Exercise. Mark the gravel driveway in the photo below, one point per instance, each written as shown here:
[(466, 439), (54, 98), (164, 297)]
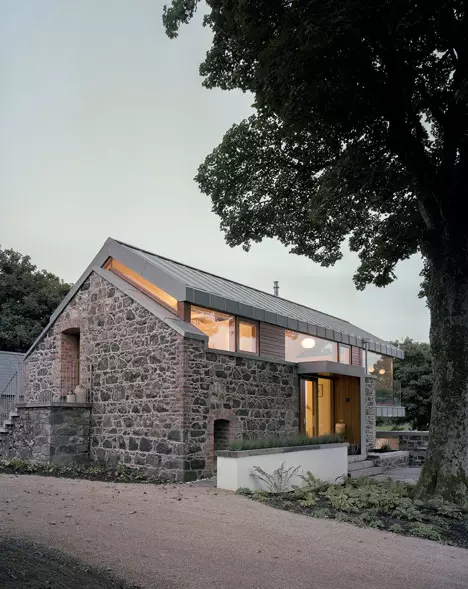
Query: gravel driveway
[(196, 537)]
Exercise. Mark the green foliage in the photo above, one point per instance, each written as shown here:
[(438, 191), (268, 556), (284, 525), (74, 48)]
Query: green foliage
[(359, 136), (323, 513), (281, 442), (449, 510), (407, 510), (244, 491), (382, 505), (312, 483), (309, 500), (279, 480), (98, 472), (337, 147), (415, 376), (371, 520), (27, 299), (260, 495), (396, 529), (428, 531)]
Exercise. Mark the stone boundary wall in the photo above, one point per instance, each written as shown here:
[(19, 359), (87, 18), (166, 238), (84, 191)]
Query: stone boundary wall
[(390, 460), (414, 442), (56, 433)]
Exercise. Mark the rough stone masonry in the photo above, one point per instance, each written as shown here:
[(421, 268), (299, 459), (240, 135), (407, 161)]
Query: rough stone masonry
[(155, 394)]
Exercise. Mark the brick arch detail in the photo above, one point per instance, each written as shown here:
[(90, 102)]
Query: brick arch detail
[(68, 354), (235, 429)]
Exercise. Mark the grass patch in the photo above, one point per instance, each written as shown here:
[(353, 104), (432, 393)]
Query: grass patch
[(91, 472), (282, 442), (386, 505)]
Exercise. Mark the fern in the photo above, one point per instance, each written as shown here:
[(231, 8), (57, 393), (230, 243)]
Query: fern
[(279, 480)]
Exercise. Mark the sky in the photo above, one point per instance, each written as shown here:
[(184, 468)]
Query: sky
[(103, 124)]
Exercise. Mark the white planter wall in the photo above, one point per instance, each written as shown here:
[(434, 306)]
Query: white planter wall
[(326, 462)]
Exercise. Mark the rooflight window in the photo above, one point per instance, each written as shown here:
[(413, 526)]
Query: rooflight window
[(307, 348), (219, 327), (141, 283)]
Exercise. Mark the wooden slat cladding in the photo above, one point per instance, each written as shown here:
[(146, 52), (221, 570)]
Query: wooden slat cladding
[(272, 341), (348, 406)]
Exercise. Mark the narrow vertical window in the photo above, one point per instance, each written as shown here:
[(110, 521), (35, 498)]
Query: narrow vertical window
[(248, 337)]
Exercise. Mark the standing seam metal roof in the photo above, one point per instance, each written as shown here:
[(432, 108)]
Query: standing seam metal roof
[(223, 287)]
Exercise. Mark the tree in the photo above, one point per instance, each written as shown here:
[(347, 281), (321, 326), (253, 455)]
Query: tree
[(27, 299), (415, 376), (360, 134)]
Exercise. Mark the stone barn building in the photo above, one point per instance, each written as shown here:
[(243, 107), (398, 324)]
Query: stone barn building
[(155, 364)]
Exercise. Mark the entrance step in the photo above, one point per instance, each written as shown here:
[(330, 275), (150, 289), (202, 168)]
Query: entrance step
[(352, 466), (365, 472), (355, 458)]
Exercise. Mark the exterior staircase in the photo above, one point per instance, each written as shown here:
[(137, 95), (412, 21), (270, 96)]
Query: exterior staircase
[(362, 467), (9, 398)]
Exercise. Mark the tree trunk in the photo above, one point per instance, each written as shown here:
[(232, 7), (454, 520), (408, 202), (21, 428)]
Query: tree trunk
[(445, 471)]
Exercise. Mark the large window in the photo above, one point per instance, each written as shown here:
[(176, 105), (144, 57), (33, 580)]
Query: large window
[(382, 368), (306, 348), (219, 327), (141, 283)]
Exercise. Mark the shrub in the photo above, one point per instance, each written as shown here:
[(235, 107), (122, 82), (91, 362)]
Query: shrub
[(244, 491), (278, 480), (97, 472), (281, 442), (427, 531)]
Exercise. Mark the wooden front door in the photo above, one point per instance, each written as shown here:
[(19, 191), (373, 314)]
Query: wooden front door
[(348, 406)]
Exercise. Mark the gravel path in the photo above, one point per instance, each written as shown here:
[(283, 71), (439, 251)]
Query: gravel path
[(196, 537)]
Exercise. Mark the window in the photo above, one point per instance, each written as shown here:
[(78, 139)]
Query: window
[(345, 354), (248, 338), (382, 368), (141, 283), (306, 348), (219, 327), (69, 360)]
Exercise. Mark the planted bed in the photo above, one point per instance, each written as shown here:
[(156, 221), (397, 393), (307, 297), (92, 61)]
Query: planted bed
[(326, 458)]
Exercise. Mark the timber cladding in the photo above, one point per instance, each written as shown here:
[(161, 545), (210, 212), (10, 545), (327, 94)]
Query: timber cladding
[(348, 406), (272, 341)]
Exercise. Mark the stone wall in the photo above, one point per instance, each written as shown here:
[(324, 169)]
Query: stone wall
[(414, 442), (57, 434), (131, 362), (155, 394), (137, 389), (370, 412), (258, 397), (389, 460)]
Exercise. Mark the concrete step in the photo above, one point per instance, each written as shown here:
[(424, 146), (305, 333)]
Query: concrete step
[(355, 458), (360, 465), (3, 430), (7, 422), (366, 472), (14, 414)]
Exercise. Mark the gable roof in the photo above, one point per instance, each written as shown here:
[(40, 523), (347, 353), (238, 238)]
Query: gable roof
[(209, 290), (192, 285)]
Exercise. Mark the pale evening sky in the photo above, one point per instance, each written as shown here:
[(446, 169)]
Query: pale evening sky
[(103, 123)]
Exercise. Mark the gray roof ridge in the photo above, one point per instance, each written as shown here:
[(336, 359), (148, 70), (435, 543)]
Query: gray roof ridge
[(229, 280)]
